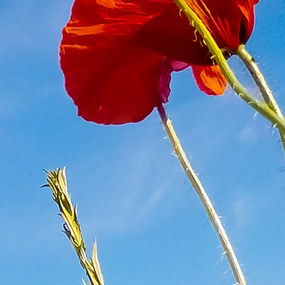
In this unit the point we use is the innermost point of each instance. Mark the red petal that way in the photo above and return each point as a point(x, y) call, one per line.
point(247, 20)
point(171, 35)
point(225, 20)
point(210, 79)
point(117, 55)
point(111, 79)
point(107, 87)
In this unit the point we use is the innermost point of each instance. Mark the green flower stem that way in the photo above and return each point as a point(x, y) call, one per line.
point(220, 60)
point(57, 182)
point(260, 81)
point(202, 194)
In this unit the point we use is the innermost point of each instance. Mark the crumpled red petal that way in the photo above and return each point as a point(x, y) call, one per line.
point(210, 79)
point(111, 78)
point(117, 56)
point(225, 20)
point(108, 88)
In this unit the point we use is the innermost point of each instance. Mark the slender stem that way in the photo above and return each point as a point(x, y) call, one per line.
point(260, 81)
point(202, 194)
point(220, 60)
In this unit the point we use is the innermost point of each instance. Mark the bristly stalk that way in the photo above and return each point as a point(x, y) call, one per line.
point(203, 196)
point(260, 81)
point(219, 59)
point(57, 182)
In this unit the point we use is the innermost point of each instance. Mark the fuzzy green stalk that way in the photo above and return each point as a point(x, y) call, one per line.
point(57, 182)
point(260, 81)
point(203, 196)
point(219, 59)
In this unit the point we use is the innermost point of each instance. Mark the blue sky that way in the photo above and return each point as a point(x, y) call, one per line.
point(131, 193)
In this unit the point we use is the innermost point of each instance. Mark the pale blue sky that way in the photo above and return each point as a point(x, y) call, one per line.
point(131, 193)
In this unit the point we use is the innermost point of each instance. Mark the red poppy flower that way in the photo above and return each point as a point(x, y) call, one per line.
point(117, 55)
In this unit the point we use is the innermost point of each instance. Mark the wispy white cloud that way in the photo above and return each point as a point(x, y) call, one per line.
point(241, 211)
point(248, 135)
point(138, 183)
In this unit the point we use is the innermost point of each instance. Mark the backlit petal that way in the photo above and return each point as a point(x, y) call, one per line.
point(111, 78)
point(106, 86)
point(224, 19)
point(210, 79)
point(247, 20)
point(117, 55)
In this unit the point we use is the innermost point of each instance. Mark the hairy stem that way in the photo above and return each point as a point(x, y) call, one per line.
point(220, 60)
point(260, 81)
point(202, 194)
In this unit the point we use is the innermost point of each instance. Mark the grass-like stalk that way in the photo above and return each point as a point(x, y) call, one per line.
point(219, 59)
point(203, 196)
point(57, 182)
point(260, 81)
